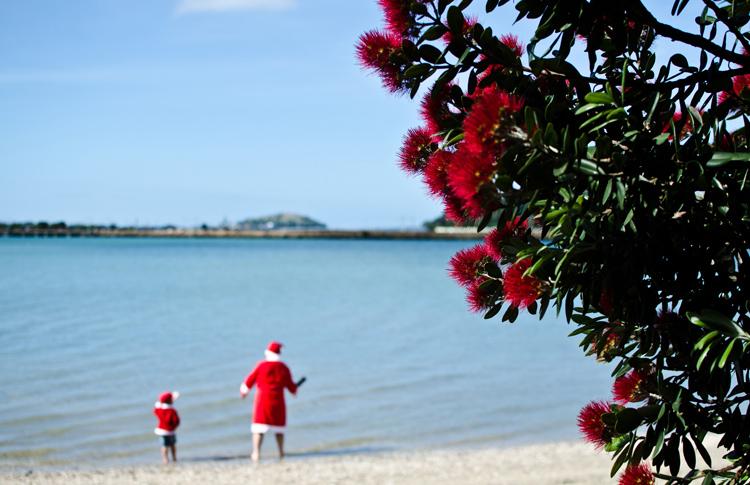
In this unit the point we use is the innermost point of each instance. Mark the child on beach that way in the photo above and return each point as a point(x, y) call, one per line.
point(169, 420)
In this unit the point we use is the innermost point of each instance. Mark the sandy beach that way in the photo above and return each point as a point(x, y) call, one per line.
point(557, 463)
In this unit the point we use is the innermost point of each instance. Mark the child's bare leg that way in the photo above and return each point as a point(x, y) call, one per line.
point(257, 442)
point(280, 442)
point(174, 452)
point(164, 456)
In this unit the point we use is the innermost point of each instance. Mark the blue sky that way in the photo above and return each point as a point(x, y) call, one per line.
point(192, 111)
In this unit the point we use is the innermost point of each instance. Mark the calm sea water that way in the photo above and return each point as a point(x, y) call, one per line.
point(91, 331)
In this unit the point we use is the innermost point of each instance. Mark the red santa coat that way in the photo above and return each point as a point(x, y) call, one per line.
point(271, 378)
point(168, 418)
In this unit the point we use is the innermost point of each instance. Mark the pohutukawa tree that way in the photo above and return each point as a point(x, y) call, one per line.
point(621, 192)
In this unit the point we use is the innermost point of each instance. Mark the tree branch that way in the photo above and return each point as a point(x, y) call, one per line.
point(722, 15)
point(641, 13)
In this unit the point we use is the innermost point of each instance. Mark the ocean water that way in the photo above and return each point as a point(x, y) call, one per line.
point(92, 331)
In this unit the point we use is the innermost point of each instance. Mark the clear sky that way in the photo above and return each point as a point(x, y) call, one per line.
point(192, 111)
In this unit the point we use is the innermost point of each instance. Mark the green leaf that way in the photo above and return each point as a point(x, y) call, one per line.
point(659, 443)
point(455, 19)
point(586, 107)
point(589, 167)
point(433, 33)
point(599, 98)
point(720, 159)
point(688, 452)
point(706, 338)
point(628, 419)
point(659, 140)
point(726, 353)
point(430, 53)
point(621, 459)
point(493, 311)
point(679, 60)
point(709, 480)
point(417, 70)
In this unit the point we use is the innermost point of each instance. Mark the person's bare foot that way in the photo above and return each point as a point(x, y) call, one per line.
point(254, 457)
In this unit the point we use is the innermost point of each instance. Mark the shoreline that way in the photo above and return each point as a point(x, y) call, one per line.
point(232, 234)
point(571, 462)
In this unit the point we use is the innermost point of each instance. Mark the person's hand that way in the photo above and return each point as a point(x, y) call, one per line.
point(243, 395)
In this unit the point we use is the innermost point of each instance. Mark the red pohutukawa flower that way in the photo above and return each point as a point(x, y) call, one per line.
point(591, 425)
point(676, 119)
point(469, 23)
point(486, 125)
point(521, 291)
point(398, 17)
point(739, 83)
point(497, 237)
point(637, 475)
point(478, 297)
point(435, 110)
point(630, 387)
point(453, 209)
point(436, 172)
point(436, 179)
point(511, 41)
point(375, 51)
point(470, 176)
point(467, 265)
point(416, 150)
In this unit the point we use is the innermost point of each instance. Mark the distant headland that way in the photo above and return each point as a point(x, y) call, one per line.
point(278, 226)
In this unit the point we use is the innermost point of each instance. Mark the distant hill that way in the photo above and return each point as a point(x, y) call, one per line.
point(280, 222)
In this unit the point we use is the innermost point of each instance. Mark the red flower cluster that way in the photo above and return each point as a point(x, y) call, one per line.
point(611, 342)
point(591, 425)
point(416, 150)
point(470, 177)
point(630, 387)
point(467, 264)
point(435, 110)
point(521, 291)
point(398, 17)
point(485, 127)
point(511, 41)
point(739, 84)
point(637, 475)
point(479, 298)
point(436, 178)
point(497, 237)
point(375, 51)
point(467, 268)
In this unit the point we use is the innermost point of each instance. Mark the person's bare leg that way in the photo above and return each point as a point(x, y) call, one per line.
point(280, 442)
point(174, 452)
point(164, 456)
point(257, 442)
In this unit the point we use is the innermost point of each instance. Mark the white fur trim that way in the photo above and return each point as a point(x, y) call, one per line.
point(175, 395)
point(244, 389)
point(162, 405)
point(266, 428)
point(163, 432)
point(272, 356)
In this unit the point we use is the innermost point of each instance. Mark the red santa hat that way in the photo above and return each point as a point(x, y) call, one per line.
point(168, 397)
point(274, 347)
point(272, 352)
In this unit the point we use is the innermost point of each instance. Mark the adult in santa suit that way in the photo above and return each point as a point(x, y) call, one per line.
point(270, 377)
